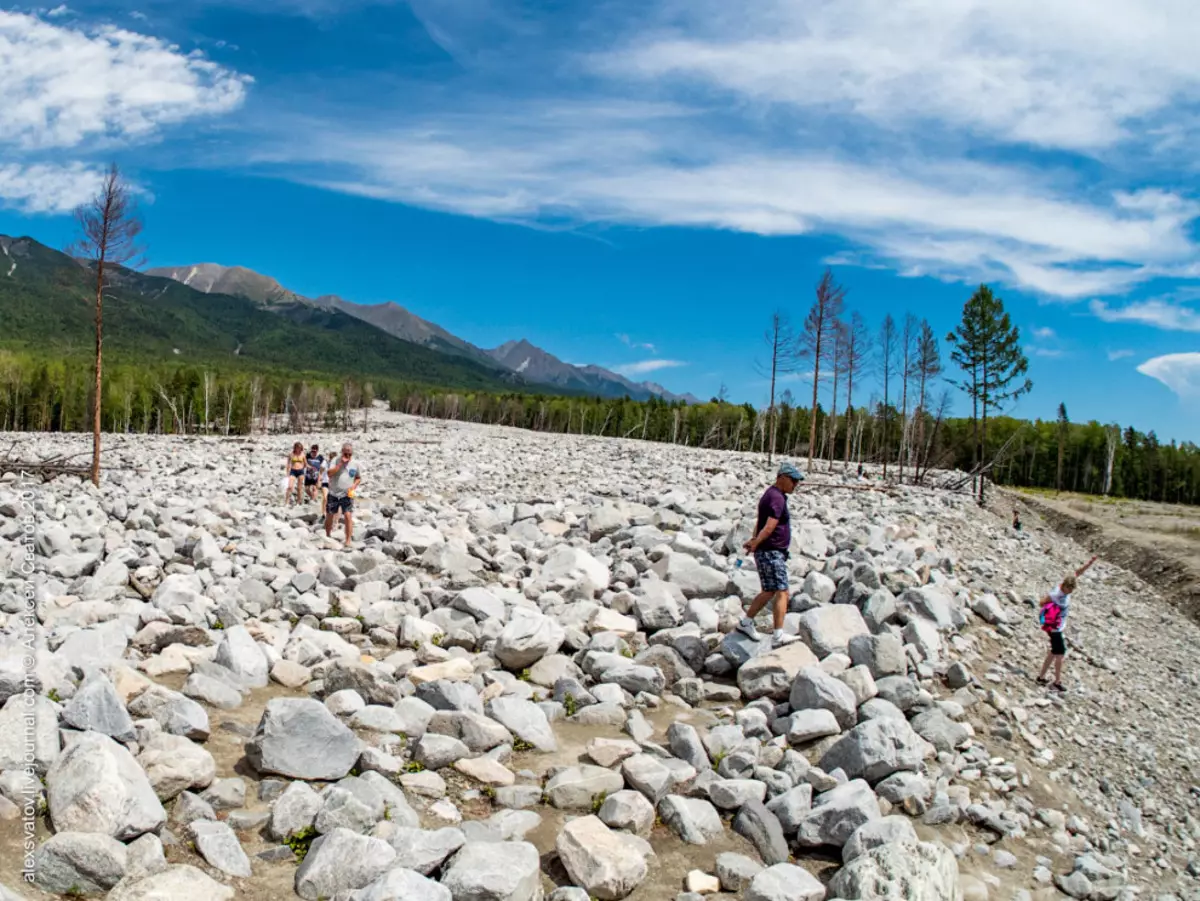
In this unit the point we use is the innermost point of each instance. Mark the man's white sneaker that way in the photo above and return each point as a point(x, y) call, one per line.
point(746, 627)
point(780, 639)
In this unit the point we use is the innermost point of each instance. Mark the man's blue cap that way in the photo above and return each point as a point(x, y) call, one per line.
point(787, 469)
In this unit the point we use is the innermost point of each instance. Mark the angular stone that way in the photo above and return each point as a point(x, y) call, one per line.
point(79, 863)
point(424, 850)
point(899, 872)
point(342, 861)
point(173, 764)
point(762, 829)
point(494, 871)
point(939, 730)
point(785, 882)
point(219, 847)
point(736, 871)
point(96, 707)
point(242, 655)
point(694, 820)
point(177, 883)
point(528, 636)
point(875, 749)
point(874, 833)
point(882, 655)
point(176, 714)
point(771, 674)
point(299, 738)
point(628, 810)
point(525, 720)
point(731, 794)
point(95, 785)
point(808, 725)
point(293, 811)
point(608, 865)
point(836, 814)
point(816, 689)
point(577, 787)
point(830, 629)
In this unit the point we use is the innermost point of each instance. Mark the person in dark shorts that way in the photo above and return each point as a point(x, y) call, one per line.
point(344, 478)
point(313, 464)
point(1053, 615)
point(769, 544)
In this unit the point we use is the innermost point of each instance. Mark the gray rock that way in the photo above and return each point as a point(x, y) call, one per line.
point(173, 764)
point(425, 850)
point(882, 655)
point(400, 884)
point(836, 814)
point(762, 829)
point(349, 805)
point(1074, 885)
point(95, 785)
point(608, 865)
point(731, 794)
point(212, 692)
point(341, 861)
point(176, 714)
point(805, 726)
point(241, 654)
point(293, 811)
point(373, 685)
point(219, 847)
point(437, 751)
point(177, 883)
point(736, 871)
point(528, 636)
point(145, 856)
point(785, 882)
point(577, 787)
point(792, 806)
point(525, 720)
point(770, 674)
point(568, 893)
point(939, 730)
point(494, 871)
point(226, 794)
point(899, 690)
point(13, 735)
point(79, 863)
point(816, 689)
point(875, 749)
point(908, 791)
point(442, 694)
point(874, 833)
point(299, 738)
point(899, 872)
point(830, 629)
point(646, 774)
point(628, 810)
point(96, 707)
point(694, 820)
point(685, 744)
point(188, 807)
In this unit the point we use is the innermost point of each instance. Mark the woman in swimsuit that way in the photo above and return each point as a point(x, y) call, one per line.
point(295, 471)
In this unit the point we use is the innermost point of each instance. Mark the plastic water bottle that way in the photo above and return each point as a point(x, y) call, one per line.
point(738, 564)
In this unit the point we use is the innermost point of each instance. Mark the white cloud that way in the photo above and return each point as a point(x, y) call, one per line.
point(1046, 352)
point(66, 87)
point(1179, 372)
point(636, 345)
point(1114, 355)
point(45, 188)
point(1158, 312)
point(1044, 333)
point(1076, 74)
point(643, 367)
point(61, 10)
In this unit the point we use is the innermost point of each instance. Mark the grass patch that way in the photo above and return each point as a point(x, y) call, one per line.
point(301, 841)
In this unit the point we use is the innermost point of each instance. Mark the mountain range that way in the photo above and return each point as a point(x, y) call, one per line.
point(531, 363)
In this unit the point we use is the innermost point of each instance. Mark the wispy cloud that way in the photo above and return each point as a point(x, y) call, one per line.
point(636, 345)
point(890, 126)
point(1046, 352)
point(1179, 372)
point(644, 367)
point(1044, 333)
point(1114, 355)
point(47, 188)
point(1157, 312)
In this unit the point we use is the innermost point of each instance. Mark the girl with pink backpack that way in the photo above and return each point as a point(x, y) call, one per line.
point(1052, 615)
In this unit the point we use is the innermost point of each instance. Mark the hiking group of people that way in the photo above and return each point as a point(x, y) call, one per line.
point(333, 478)
point(772, 538)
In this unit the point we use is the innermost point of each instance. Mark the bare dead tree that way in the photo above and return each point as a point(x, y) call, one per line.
point(818, 337)
point(1112, 439)
point(929, 367)
point(858, 347)
point(908, 355)
point(109, 226)
point(841, 340)
point(784, 358)
point(887, 369)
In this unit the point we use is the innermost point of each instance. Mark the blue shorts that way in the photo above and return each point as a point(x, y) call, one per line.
point(334, 505)
point(772, 570)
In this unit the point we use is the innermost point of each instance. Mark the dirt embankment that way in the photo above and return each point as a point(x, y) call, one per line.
point(1168, 565)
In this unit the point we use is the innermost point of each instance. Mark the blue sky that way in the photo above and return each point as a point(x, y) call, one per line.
point(640, 183)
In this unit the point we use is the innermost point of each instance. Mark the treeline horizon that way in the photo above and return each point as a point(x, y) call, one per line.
point(55, 396)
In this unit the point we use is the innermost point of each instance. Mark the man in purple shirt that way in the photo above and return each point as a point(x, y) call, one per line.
point(769, 544)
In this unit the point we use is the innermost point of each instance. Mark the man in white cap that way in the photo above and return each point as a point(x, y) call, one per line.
point(769, 544)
